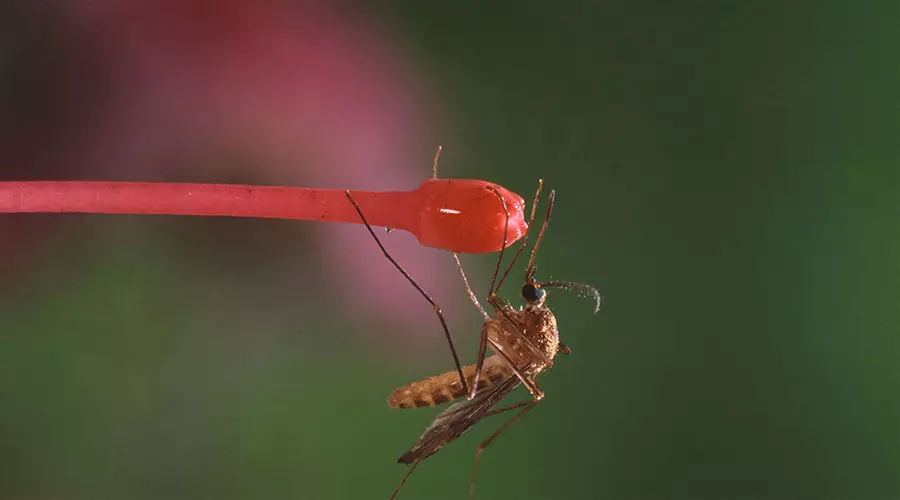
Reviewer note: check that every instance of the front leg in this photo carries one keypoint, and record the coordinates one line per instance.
(528, 381)
(482, 348)
(501, 306)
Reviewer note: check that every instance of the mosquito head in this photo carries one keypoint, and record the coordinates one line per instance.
(534, 294)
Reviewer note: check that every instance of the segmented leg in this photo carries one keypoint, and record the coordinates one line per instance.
(469, 291)
(526, 407)
(403, 481)
(434, 305)
(437, 154)
(524, 241)
(526, 380)
(529, 275)
(479, 364)
(505, 240)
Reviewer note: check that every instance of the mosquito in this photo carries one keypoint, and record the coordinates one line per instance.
(524, 341)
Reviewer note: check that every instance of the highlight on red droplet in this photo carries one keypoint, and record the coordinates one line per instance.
(460, 215)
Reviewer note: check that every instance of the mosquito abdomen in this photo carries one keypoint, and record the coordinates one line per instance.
(446, 387)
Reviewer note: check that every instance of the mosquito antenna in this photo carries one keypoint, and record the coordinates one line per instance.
(529, 274)
(580, 288)
(437, 308)
(525, 236)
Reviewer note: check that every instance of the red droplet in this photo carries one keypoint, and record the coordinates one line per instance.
(467, 215)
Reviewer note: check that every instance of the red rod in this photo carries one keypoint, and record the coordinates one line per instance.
(461, 215)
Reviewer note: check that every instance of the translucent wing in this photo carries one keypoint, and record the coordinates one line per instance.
(457, 419)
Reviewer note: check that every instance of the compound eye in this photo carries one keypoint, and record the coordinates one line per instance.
(532, 293)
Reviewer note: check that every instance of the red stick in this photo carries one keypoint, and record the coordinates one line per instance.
(460, 215)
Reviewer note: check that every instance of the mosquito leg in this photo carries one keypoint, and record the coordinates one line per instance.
(508, 408)
(437, 154)
(524, 242)
(529, 274)
(469, 291)
(502, 248)
(496, 301)
(403, 481)
(482, 348)
(481, 447)
(526, 380)
(484, 337)
(434, 305)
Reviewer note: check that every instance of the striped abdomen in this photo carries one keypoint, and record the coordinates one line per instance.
(433, 391)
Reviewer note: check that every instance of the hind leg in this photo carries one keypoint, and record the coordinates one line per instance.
(526, 406)
(403, 481)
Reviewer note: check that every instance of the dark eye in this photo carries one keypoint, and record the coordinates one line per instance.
(532, 293)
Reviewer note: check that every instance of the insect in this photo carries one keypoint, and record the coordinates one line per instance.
(524, 341)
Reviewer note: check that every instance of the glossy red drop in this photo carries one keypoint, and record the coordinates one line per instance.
(467, 216)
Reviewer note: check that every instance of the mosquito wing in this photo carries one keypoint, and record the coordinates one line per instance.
(456, 420)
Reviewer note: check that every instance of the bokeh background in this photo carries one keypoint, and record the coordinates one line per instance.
(727, 176)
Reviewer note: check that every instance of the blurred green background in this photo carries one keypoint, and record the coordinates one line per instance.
(726, 175)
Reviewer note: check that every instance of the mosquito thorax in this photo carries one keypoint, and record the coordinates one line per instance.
(537, 322)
